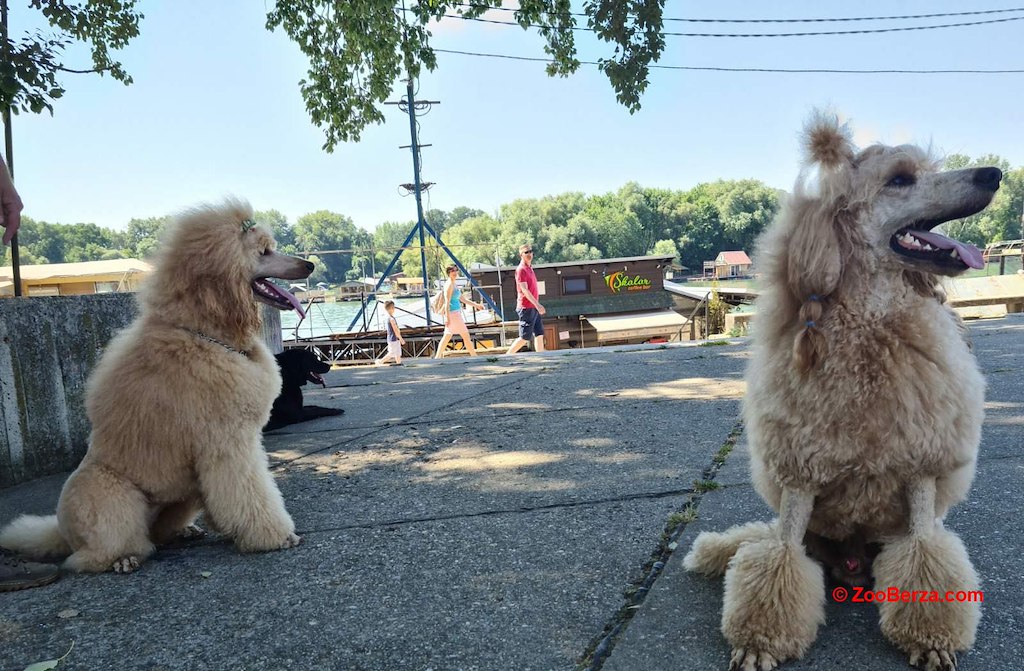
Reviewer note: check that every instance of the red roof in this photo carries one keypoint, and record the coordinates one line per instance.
(735, 258)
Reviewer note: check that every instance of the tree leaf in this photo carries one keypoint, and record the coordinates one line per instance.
(43, 666)
(50, 663)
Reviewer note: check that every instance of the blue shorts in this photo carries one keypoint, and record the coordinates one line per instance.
(529, 323)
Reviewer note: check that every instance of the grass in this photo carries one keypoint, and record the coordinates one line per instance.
(714, 343)
(723, 453)
(684, 516)
(702, 486)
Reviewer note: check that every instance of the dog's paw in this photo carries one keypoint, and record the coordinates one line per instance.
(933, 660)
(745, 659)
(291, 541)
(126, 564)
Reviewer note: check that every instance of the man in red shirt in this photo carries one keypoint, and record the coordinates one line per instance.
(528, 307)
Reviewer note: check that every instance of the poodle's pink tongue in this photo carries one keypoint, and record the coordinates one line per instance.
(969, 254)
(294, 302)
(287, 296)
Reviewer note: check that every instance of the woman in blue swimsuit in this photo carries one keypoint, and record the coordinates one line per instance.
(453, 321)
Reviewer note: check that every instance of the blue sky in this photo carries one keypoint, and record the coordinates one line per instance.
(216, 109)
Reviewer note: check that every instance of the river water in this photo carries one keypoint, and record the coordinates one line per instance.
(323, 319)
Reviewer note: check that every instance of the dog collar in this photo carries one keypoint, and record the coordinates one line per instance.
(247, 225)
(214, 340)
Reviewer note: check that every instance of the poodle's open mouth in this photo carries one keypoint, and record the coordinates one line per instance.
(315, 378)
(274, 297)
(919, 242)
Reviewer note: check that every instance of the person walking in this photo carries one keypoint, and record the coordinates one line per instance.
(395, 339)
(454, 324)
(528, 306)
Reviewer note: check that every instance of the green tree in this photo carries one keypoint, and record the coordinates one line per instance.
(475, 239)
(438, 219)
(359, 49)
(666, 247)
(279, 226)
(29, 230)
(461, 213)
(30, 65)
(323, 231)
(32, 237)
(42, 240)
(531, 219)
(412, 265)
(717, 309)
(387, 238)
(89, 242)
(142, 237)
(68, 243)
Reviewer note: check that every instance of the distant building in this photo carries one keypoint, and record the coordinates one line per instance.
(728, 264)
(74, 279)
(355, 289)
(408, 285)
(602, 302)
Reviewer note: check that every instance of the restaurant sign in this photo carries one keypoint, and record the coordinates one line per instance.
(620, 281)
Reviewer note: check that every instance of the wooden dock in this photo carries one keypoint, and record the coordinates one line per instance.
(361, 348)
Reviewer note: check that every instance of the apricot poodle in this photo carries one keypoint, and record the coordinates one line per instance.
(177, 403)
(864, 404)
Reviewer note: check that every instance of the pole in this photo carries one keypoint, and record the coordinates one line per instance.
(411, 105)
(9, 148)
(501, 293)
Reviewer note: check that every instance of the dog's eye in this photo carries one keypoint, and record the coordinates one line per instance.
(901, 180)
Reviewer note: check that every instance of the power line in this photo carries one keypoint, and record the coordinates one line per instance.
(804, 34)
(769, 70)
(815, 20)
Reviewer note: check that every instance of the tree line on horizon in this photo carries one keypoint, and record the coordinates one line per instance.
(693, 226)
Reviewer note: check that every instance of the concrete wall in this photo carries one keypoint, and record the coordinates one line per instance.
(48, 346)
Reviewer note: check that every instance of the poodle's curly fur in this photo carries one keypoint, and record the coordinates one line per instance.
(176, 403)
(864, 404)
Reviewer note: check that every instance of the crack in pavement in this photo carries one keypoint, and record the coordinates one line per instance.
(600, 649)
(559, 505)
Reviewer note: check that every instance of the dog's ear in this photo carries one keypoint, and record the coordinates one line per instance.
(814, 270)
(827, 142)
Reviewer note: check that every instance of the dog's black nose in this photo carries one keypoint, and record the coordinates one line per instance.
(310, 266)
(988, 178)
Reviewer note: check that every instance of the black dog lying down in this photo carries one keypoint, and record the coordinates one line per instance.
(298, 366)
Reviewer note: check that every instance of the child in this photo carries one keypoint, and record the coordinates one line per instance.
(395, 339)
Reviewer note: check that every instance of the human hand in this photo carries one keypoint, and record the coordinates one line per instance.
(541, 309)
(10, 205)
(401, 340)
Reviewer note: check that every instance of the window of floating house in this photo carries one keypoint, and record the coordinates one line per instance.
(575, 285)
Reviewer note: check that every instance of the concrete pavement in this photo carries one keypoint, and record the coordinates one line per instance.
(501, 514)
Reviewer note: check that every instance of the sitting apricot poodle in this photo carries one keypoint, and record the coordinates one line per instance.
(864, 404)
(177, 402)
